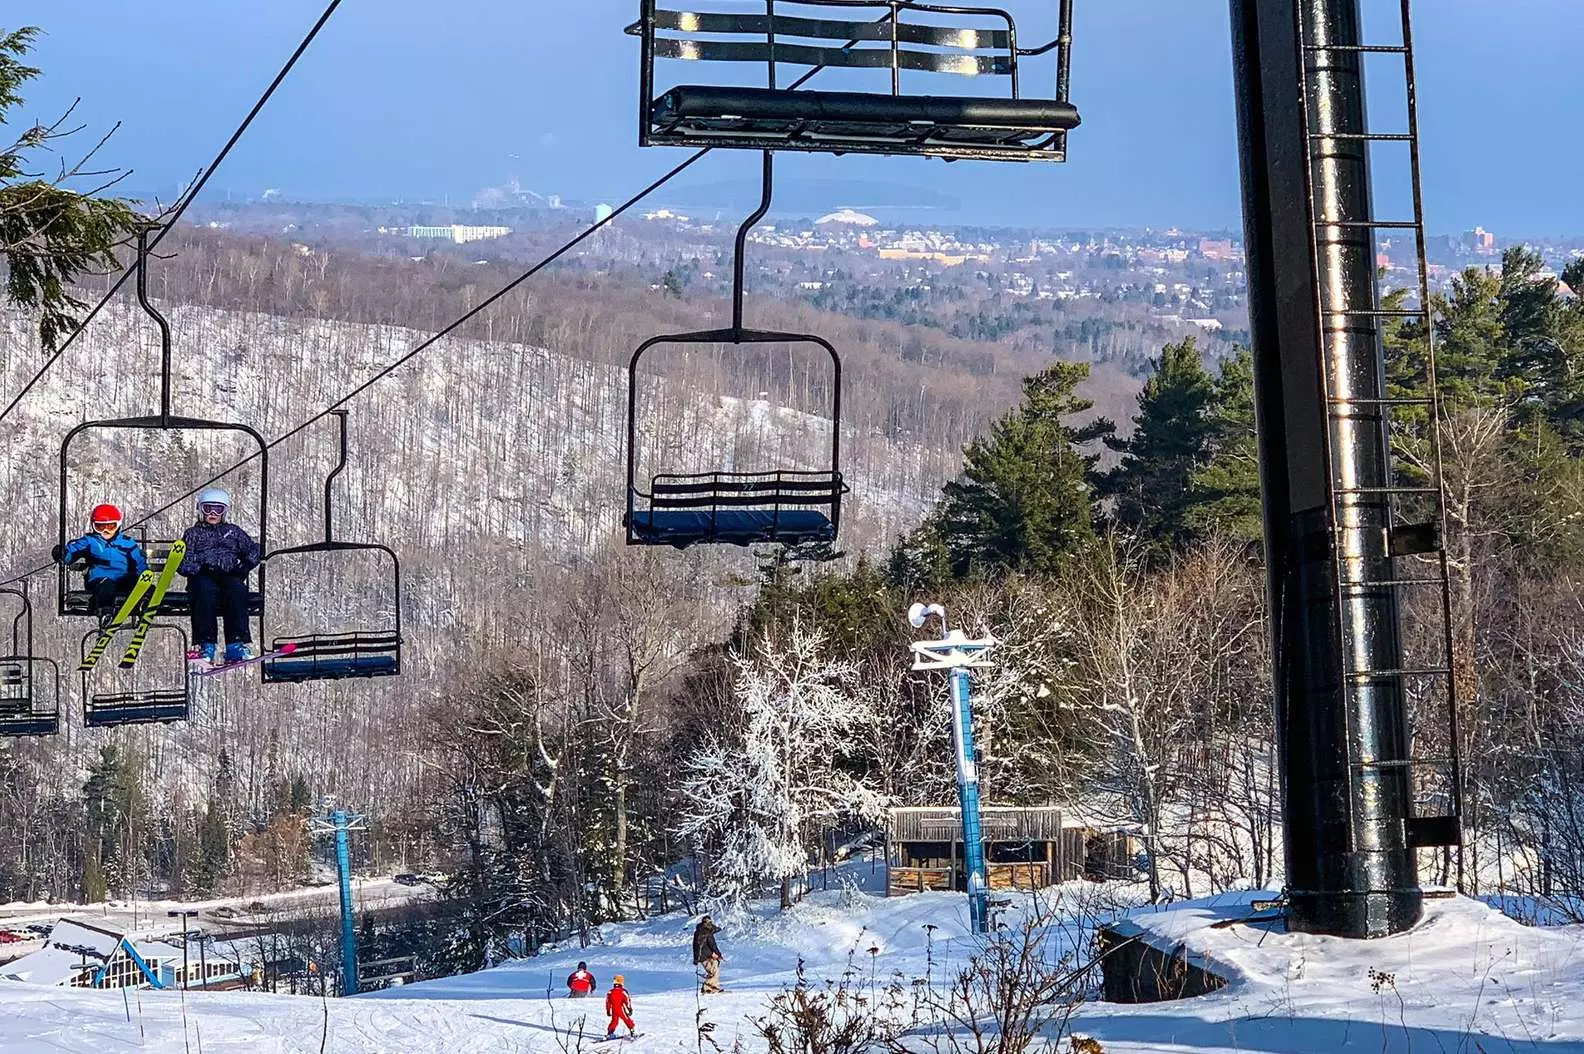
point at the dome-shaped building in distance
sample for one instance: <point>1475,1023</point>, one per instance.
<point>849,217</point>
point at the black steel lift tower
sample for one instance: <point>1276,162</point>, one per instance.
<point>1352,540</point>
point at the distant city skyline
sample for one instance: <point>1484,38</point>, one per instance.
<point>391,104</point>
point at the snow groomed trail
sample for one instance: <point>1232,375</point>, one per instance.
<point>1467,979</point>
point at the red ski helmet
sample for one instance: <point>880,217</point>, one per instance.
<point>105,513</point>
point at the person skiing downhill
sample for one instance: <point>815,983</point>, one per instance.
<point>580,983</point>
<point>115,560</point>
<point>618,1004</point>
<point>220,555</point>
<point>706,953</point>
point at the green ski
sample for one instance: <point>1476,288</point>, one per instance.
<point>156,598</point>
<point>145,582</point>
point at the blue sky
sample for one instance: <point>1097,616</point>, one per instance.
<point>407,98</point>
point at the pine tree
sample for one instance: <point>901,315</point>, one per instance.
<point>1469,342</point>
<point>1225,495</point>
<point>50,234</point>
<point>104,800</point>
<point>1024,500</point>
<point>1152,488</point>
<point>214,848</point>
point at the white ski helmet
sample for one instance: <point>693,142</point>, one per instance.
<point>213,496</point>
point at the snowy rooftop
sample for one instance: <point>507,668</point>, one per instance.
<point>71,944</point>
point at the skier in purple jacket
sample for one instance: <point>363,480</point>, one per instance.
<point>219,557</point>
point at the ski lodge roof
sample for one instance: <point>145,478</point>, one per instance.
<point>72,944</point>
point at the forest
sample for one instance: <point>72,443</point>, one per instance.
<point>587,722</point>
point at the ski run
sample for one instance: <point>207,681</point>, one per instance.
<point>1466,979</point>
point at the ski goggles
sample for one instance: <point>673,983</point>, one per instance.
<point>212,508</point>
<point>100,525</point>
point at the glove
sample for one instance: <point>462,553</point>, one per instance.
<point>56,552</point>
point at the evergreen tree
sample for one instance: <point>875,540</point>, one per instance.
<point>50,234</point>
<point>919,562</point>
<point>1152,488</point>
<point>1469,341</point>
<point>104,804</point>
<point>1225,495</point>
<point>214,848</point>
<point>1024,500</point>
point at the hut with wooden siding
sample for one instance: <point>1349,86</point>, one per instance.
<point>1025,847</point>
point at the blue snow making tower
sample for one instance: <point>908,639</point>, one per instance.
<point>1348,534</point>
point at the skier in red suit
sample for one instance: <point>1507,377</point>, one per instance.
<point>619,1006</point>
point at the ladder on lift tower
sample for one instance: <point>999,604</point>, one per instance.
<point>1417,507</point>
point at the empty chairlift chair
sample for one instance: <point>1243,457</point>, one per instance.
<point>73,597</point>
<point>789,507</point>
<point>167,701</point>
<point>901,55</point>
<point>29,684</point>
<point>373,651</point>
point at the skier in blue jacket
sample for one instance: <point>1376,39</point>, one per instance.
<point>220,555</point>
<point>114,560</point>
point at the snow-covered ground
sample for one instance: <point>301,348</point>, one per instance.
<point>1467,979</point>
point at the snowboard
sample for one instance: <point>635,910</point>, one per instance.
<point>211,671</point>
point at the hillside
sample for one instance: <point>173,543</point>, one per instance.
<point>495,470</point>
<point>1466,978</point>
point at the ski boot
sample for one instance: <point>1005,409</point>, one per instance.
<point>235,653</point>
<point>201,657</point>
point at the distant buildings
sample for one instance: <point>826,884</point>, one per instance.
<point>459,233</point>
<point>1480,241</point>
<point>1219,249</point>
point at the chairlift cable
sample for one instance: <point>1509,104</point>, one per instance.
<point>417,349</point>
<point>182,206</point>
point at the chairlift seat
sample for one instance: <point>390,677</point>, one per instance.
<point>23,720</point>
<point>734,508</point>
<point>335,656</point>
<point>899,54</point>
<point>860,122</point>
<point>80,601</point>
<point>136,708</point>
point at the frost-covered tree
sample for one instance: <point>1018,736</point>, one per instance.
<point>757,792</point>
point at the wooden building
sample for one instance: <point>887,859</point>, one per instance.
<point>1025,847</point>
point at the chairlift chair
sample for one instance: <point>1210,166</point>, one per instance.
<point>73,598</point>
<point>138,706</point>
<point>789,507</point>
<point>372,652</point>
<point>892,42</point>
<point>26,710</point>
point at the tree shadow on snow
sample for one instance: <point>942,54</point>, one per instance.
<point>1300,1035</point>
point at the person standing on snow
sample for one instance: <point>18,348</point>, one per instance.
<point>706,953</point>
<point>581,983</point>
<point>115,560</point>
<point>618,1004</point>
<point>220,555</point>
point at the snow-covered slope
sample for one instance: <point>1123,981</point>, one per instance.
<point>1467,979</point>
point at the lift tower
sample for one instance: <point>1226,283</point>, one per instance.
<point>1348,535</point>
